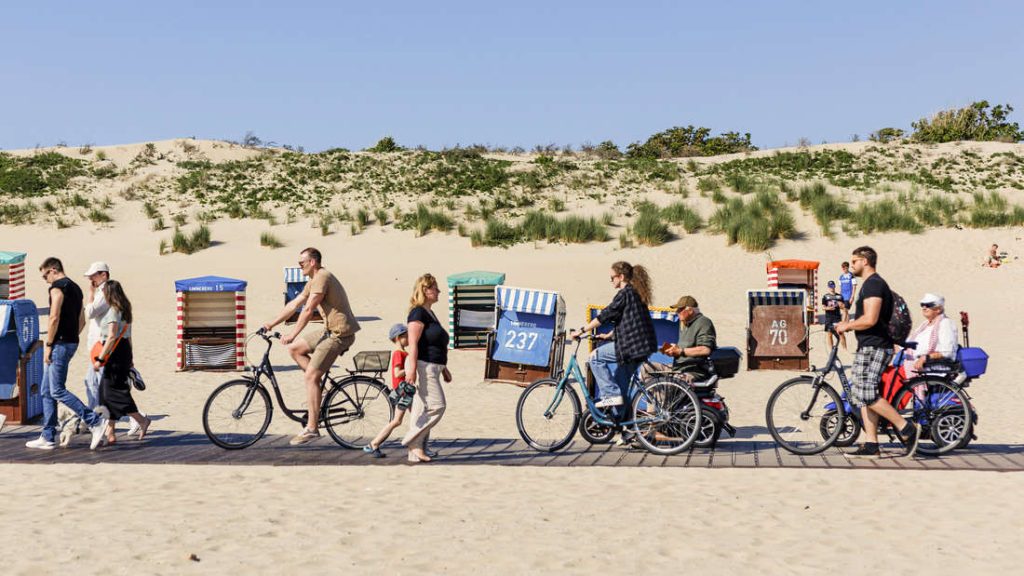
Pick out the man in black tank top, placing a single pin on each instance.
(65, 323)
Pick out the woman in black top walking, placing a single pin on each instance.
(425, 366)
(634, 334)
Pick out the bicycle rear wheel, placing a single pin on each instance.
(795, 411)
(667, 415)
(546, 421)
(943, 411)
(356, 409)
(237, 414)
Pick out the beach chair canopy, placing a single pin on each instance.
(779, 297)
(794, 264)
(11, 257)
(294, 274)
(524, 300)
(210, 284)
(528, 321)
(476, 278)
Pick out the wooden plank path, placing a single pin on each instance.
(172, 447)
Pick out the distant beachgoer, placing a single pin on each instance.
(425, 367)
(635, 339)
(697, 340)
(115, 361)
(847, 288)
(834, 306)
(936, 337)
(316, 352)
(993, 260)
(66, 320)
(399, 335)
(874, 308)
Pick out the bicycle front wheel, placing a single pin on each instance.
(666, 416)
(943, 411)
(795, 412)
(547, 415)
(356, 409)
(237, 414)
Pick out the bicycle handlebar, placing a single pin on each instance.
(262, 333)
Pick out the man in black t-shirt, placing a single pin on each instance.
(65, 323)
(834, 305)
(873, 308)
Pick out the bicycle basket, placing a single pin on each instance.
(372, 361)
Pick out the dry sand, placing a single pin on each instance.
(469, 519)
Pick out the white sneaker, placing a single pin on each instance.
(40, 443)
(133, 428)
(98, 433)
(609, 401)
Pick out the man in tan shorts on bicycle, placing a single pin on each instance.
(317, 350)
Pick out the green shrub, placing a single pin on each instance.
(386, 144)
(179, 219)
(270, 241)
(649, 230)
(754, 224)
(158, 224)
(381, 215)
(424, 220)
(974, 122)
(607, 150)
(886, 135)
(556, 204)
(37, 175)
(362, 217)
(16, 213)
(885, 216)
(994, 211)
(190, 243)
(825, 207)
(680, 213)
(679, 142)
(150, 209)
(98, 215)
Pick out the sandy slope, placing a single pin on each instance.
(511, 521)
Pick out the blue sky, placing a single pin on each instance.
(325, 74)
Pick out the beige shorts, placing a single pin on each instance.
(326, 348)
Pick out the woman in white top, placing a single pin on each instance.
(935, 337)
(115, 361)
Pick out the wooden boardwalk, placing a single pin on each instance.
(169, 447)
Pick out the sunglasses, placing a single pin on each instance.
(929, 306)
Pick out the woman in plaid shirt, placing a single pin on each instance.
(634, 336)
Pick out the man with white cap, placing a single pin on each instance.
(96, 308)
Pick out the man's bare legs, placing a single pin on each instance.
(870, 415)
(300, 352)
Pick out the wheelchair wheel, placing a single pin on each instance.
(849, 434)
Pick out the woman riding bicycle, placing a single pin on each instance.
(935, 337)
(634, 341)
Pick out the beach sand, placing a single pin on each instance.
(501, 520)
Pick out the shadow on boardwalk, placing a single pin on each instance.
(169, 447)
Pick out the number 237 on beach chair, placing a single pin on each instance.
(528, 341)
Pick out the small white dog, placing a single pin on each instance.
(70, 424)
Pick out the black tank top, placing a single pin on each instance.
(70, 311)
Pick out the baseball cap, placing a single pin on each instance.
(933, 300)
(831, 283)
(685, 302)
(396, 331)
(96, 267)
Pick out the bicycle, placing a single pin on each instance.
(805, 415)
(664, 413)
(238, 412)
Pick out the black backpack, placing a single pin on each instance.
(900, 323)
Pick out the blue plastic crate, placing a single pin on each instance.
(973, 360)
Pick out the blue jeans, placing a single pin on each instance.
(92, 386)
(55, 376)
(609, 382)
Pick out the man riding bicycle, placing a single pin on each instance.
(316, 351)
